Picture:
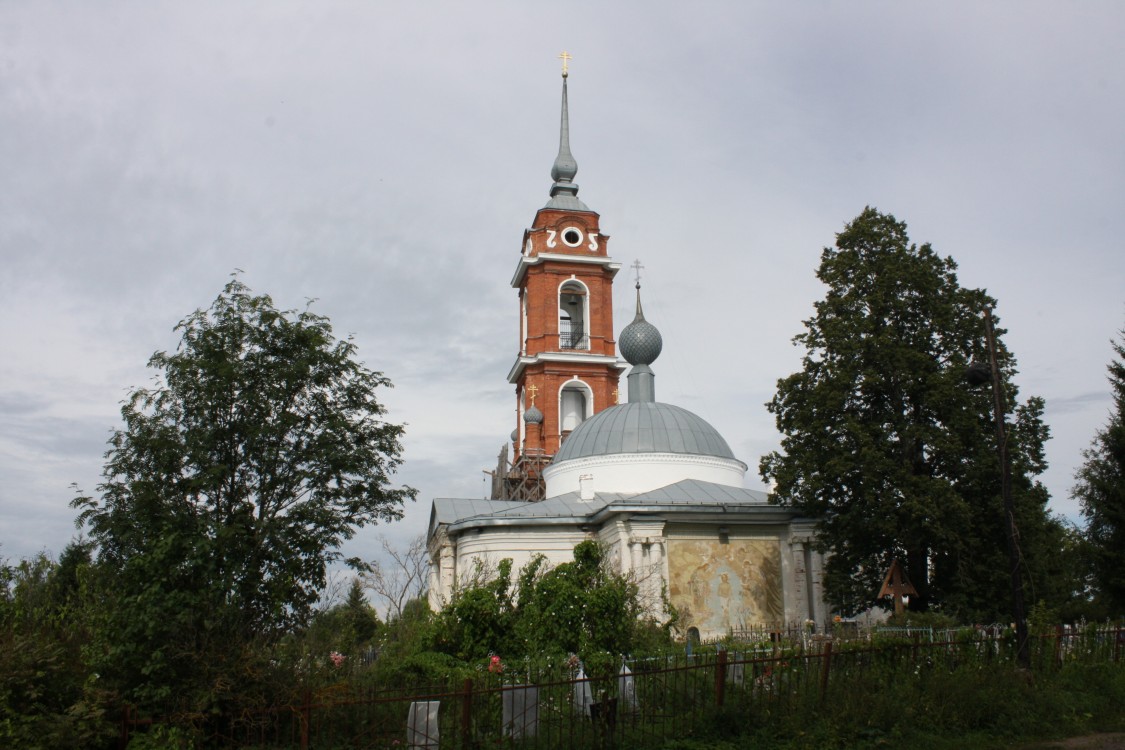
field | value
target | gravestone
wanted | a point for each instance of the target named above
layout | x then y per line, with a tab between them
521	711
422	724
627	689
736	670
583	697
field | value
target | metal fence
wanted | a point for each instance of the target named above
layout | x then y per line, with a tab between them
642	702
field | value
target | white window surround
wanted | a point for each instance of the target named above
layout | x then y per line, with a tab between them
588	396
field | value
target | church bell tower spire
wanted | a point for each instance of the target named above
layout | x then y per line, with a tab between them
567	351
564	193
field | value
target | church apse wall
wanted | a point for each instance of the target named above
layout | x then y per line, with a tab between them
719	585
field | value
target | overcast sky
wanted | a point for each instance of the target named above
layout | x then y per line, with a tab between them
384	158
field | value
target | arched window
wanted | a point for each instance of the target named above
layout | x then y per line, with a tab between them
576	402
573	314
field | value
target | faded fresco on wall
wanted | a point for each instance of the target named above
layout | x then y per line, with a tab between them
717	586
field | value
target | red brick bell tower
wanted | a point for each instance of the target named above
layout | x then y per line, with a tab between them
567	368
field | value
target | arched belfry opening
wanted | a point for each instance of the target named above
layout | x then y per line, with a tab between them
575	406
574	332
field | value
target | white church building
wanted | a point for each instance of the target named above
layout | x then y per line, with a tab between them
654	483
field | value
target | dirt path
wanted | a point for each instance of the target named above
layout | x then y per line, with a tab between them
1114	741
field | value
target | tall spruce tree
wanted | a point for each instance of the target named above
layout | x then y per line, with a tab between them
886	444
1101	491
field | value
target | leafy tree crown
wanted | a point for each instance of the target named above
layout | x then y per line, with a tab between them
258	450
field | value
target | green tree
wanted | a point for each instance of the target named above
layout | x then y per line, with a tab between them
885	443
1101	490
48	698
259	449
579	607
362	618
479	619
348	628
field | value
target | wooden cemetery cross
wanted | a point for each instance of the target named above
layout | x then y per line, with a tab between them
896	585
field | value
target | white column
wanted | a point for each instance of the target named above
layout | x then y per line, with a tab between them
656	565
800	598
448	572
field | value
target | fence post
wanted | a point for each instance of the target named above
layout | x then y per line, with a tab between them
720	678
467	714
306	719
124	728
916	637
824	670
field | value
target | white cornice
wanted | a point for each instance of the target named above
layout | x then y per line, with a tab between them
526	262
639	515
612	459
522	362
641	472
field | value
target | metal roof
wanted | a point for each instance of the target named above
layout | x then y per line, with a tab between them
695	491
643	427
687	495
453	509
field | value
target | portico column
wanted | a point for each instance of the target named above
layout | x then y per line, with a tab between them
448	572
636	552
656	558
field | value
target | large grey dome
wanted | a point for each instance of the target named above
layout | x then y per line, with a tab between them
644	427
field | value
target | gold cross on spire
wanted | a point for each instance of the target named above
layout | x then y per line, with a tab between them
616	396
531	391
565	57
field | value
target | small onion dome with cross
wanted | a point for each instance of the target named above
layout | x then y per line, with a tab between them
642	445
640	342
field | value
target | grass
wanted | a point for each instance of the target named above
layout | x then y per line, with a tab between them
967	708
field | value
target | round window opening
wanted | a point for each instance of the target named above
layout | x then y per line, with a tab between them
572	237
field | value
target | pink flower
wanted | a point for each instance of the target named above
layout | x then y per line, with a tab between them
494	665
337	658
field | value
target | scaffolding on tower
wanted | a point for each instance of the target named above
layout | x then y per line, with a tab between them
521	480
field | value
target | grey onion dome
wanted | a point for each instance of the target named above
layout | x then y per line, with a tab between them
533	415
640	342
